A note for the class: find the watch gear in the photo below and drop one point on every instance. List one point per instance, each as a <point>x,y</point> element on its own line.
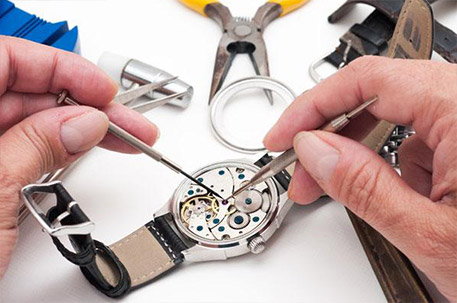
<point>206,217</point>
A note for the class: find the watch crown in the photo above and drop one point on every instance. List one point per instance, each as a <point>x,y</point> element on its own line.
<point>257,245</point>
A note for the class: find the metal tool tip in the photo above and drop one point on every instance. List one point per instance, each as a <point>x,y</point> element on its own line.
<point>361,107</point>
<point>62,96</point>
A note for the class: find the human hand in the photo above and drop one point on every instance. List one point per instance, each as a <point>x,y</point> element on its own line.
<point>36,135</point>
<point>416,212</point>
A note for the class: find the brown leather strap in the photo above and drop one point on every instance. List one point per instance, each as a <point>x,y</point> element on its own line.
<point>413,38</point>
<point>371,36</point>
<point>395,273</point>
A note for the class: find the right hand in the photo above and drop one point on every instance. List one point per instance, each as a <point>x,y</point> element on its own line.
<point>416,212</point>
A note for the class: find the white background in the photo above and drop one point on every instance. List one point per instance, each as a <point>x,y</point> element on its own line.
<point>315,257</point>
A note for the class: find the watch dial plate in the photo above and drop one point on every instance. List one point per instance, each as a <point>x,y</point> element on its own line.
<point>203,216</point>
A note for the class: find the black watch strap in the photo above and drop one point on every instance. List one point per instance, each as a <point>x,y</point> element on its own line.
<point>372,35</point>
<point>130,262</point>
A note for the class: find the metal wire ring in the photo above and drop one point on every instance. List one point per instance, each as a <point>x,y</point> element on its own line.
<point>225,94</point>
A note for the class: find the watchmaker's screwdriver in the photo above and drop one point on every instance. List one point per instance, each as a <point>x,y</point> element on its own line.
<point>138,144</point>
<point>288,157</point>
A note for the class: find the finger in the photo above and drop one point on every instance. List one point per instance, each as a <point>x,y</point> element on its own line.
<point>416,167</point>
<point>40,143</point>
<point>444,179</point>
<point>34,68</point>
<point>417,90</point>
<point>14,107</point>
<point>131,121</point>
<point>47,140</point>
<point>303,189</point>
<point>368,186</point>
<point>354,175</point>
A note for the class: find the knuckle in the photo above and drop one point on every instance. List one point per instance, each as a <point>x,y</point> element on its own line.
<point>358,189</point>
<point>367,71</point>
<point>364,65</point>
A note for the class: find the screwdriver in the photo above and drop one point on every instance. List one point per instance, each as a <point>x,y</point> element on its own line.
<point>136,143</point>
<point>288,157</point>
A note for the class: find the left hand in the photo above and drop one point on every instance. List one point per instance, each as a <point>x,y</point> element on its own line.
<point>36,136</point>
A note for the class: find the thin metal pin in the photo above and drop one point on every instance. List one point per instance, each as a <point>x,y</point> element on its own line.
<point>136,143</point>
<point>132,94</point>
<point>156,103</point>
<point>289,156</point>
<point>354,113</point>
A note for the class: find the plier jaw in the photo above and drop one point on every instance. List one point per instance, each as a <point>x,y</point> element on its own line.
<point>241,36</point>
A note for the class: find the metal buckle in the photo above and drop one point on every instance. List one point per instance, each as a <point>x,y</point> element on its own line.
<point>312,70</point>
<point>53,228</point>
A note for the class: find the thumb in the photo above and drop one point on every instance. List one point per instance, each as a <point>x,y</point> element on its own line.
<point>44,141</point>
<point>357,177</point>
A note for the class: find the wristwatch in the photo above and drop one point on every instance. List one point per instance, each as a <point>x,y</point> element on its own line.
<point>197,226</point>
<point>192,226</point>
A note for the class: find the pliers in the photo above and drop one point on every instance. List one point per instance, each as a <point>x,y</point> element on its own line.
<point>241,35</point>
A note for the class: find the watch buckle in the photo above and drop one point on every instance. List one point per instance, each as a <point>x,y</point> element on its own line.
<point>55,228</point>
<point>312,70</point>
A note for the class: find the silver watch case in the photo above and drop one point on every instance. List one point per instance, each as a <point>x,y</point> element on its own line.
<point>206,250</point>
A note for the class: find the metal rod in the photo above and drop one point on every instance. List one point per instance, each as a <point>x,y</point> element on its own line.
<point>130,95</point>
<point>122,98</point>
<point>136,143</point>
<point>288,157</point>
<point>148,105</point>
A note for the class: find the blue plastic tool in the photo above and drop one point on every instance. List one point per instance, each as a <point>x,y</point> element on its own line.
<point>18,23</point>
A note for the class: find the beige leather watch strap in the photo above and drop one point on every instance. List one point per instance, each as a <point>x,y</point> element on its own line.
<point>142,255</point>
<point>412,39</point>
<point>134,260</point>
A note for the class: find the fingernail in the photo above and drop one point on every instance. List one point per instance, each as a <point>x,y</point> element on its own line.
<point>84,132</point>
<point>317,157</point>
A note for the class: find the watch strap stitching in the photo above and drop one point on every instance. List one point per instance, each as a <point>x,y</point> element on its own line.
<point>151,227</point>
<point>144,277</point>
<point>165,225</point>
<point>384,138</point>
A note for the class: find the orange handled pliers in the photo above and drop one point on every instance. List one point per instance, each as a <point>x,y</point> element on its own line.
<point>241,35</point>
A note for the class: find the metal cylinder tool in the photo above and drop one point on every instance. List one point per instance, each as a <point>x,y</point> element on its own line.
<point>131,72</point>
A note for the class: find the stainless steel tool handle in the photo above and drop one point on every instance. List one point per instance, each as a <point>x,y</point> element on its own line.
<point>284,160</point>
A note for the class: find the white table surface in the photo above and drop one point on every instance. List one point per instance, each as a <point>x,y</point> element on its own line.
<point>314,257</point>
